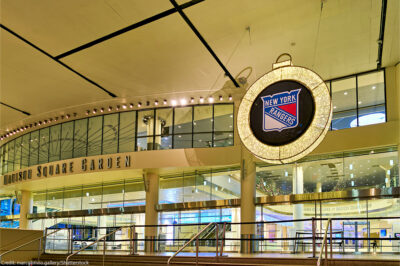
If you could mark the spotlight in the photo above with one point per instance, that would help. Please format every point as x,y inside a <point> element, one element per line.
<point>131,105</point>
<point>75,114</point>
<point>221,98</point>
<point>139,104</point>
<point>101,110</point>
<point>109,108</point>
<point>155,102</point>
<point>87,112</point>
<point>201,100</point>
<point>124,106</point>
<point>192,100</point>
<point>67,116</point>
<point>147,103</point>
<point>183,102</point>
<point>40,123</point>
<point>230,97</point>
<point>94,111</point>
<point>165,102</point>
<point>173,102</point>
<point>210,99</point>
<point>45,122</point>
<point>117,108</point>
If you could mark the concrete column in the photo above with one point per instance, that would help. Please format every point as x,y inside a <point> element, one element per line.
<point>151,180</point>
<point>26,208</point>
<point>247,202</point>
<point>298,188</point>
<point>318,187</point>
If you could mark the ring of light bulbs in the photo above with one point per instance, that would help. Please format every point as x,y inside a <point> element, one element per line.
<point>310,139</point>
<point>111,108</point>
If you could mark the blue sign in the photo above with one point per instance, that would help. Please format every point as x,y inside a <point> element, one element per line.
<point>5,207</point>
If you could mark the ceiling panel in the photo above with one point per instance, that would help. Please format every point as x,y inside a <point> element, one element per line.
<point>59,26</point>
<point>35,83</point>
<point>162,57</point>
<point>344,43</point>
<point>391,43</point>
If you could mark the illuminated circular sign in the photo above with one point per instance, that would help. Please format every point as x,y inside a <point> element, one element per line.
<point>285,114</point>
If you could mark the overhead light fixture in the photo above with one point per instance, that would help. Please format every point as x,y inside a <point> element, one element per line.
<point>345,93</point>
<point>94,111</point>
<point>155,102</point>
<point>192,100</point>
<point>183,101</point>
<point>139,104</point>
<point>173,102</point>
<point>210,99</point>
<point>101,110</point>
<point>221,98</point>
<point>67,116</point>
<point>230,97</point>
<point>109,108</point>
<point>131,105</point>
<point>117,108</point>
<point>124,106</point>
<point>165,102</point>
<point>201,100</point>
<point>87,112</point>
<point>373,87</point>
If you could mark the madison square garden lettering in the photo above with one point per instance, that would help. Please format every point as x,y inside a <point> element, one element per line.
<point>85,165</point>
<point>285,114</point>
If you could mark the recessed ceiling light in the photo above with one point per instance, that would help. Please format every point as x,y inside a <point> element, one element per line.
<point>373,87</point>
<point>345,93</point>
<point>334,107</point>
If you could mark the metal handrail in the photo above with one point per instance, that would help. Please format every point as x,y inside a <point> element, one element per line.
<point>324,243</point>
<point>190,241</point>
<point>27,243</point>
<point>101,238</point>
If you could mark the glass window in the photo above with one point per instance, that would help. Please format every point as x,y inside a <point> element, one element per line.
<point>274,180</point>
<point>113,195</point>
<point>343,101</point>
<point>144,143</point>
<point>127,124</point>
<point>344,119</point>
<point>34,148</point>
<point>202,140</point>
<point>223,117</point>
<point>17,154</point>
<point>182,120</point>
<point>163,139</point>
<point>55,200</point>
<point>110,134</point>
<point>134,193</point>
<point>39,202</point>
<point>371,98</point>
<point>182,141</point>
<point>67,140</point>
<point>44,135</point>
<point>95,135</point>
<point>223,139</point>
<point>91,197</point>
<point>203,118</point>
<point>73,198</point>
<point>5,158</point>
<point>80,138</point>
<point>54,148</point>
<point>25,150</point>
<point>10,161</point>
<point>371,89</point>
<point>145,123</point>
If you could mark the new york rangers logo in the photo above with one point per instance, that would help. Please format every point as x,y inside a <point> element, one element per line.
<point>281,111</point>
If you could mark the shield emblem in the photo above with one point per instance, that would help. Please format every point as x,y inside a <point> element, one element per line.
<point>281,111</point>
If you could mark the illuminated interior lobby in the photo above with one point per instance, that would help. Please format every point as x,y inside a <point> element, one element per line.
<point>123,115</point>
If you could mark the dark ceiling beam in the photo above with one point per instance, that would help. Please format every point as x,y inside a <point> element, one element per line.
<point>381,34</point>
<point>210,50</point>
<point>58,61</point>
<point>15,108</point>
<point>129,28</point>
